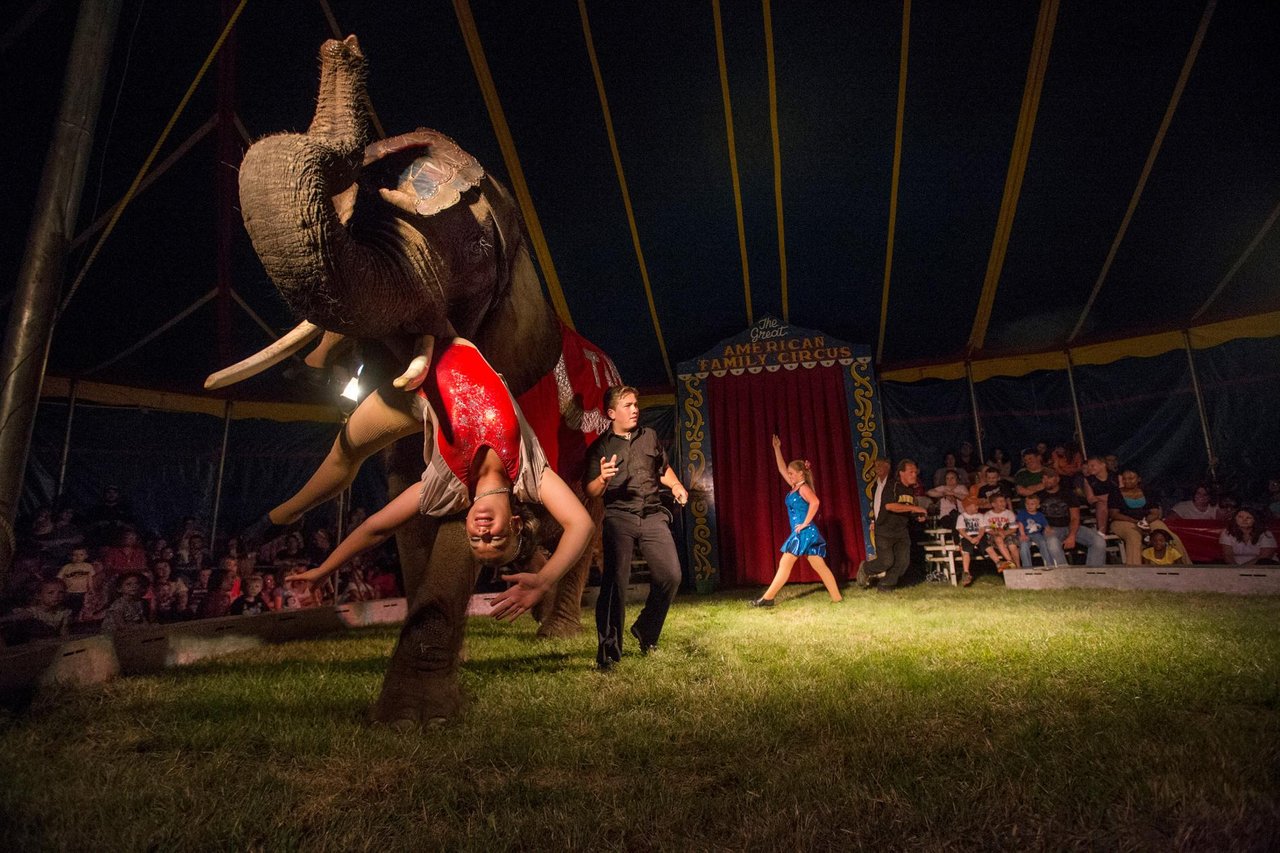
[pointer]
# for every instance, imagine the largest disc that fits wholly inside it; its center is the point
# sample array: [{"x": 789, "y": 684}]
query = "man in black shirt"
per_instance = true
[
  {"x": 626, "y": 465},
  {"x": 1061, "y": 510},
  {"x": 893, "y": 540}
]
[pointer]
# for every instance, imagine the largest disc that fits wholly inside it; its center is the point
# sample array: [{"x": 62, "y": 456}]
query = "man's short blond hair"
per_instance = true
[{"x": 615, "y": 395}]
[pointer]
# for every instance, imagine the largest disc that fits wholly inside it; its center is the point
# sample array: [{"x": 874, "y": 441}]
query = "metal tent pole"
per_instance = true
[
  {"x": 40, "y": 280},
  {"x": 973, "y": 401},
  {"x": 1075, "y": 404},
  {"x": 1204, "y": 416},
  {"x": 222, "y": 464},
  {"x": 66, "y": 438}
]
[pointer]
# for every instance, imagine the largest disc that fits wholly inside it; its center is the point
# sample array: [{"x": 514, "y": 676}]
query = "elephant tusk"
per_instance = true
[{"x": 263, "y": 359}]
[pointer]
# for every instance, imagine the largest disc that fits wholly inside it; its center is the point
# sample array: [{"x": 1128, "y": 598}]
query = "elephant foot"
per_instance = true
[
  {"x": 414, "y": 700},
  {"x": 557, "y": 628}
]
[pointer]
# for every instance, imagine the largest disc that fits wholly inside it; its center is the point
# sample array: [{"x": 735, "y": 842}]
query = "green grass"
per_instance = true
[{"x": 934, "y": 718}]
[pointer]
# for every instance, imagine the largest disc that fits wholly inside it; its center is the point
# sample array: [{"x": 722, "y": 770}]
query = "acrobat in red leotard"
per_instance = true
[{"x": 467, "y": 408}]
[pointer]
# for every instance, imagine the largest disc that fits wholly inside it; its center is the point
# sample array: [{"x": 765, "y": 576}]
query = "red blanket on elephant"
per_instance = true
[{"x": 565, "y": 408}]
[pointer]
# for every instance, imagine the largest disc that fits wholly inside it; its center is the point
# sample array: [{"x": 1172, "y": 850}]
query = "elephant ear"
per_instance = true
[{"x": 425, "y": 171}]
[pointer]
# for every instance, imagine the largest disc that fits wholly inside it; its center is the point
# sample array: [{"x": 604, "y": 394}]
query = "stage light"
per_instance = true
[{"x": 352, "y": 390}]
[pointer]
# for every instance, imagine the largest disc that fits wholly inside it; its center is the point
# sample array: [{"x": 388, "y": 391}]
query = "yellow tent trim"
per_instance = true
[
  {"x": 1017, "y": 169},
  {"x": 57, "y": 387},
  {"x": 622, "y": 184},
  {"x": 733, "y": 159},
  {"x": 897, "y": 170},
  {"x": 471, "y": 36},
  {"x": 777, "y": 158},
  {"x": 1178, "y": 87},
  {"x": 1145, "y": 346}
]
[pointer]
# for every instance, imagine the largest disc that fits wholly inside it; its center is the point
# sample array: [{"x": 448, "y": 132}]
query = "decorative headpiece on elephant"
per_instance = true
[{"x": 404, "y": 238}]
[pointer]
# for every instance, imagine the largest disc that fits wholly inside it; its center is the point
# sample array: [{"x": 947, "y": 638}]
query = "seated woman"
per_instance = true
[
  {"x": 1245, "y": 542},
  {"x": 1001, "y": 462},
  {"x": 950, "y": 465},
  {"x": 1200, "y": 508},
  {"x": 1136, "y": 516},
  {"x": 481, "y": 457},
  {"x": 949, "y": 496}
]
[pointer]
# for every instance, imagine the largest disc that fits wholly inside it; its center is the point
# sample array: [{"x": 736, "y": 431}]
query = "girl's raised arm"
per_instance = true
[{"x": 777, "y": 457}]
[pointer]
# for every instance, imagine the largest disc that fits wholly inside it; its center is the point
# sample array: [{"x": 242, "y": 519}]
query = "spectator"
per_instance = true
[
  {"x": 96, "y": 598},
  {"x": 989, "y": 486},
  {"x": 198, "y": 592},
  {"x": 128, "y": 609},
  {"x": 1101, "y": 491},
  {"x": 269, "y": 585},
  {"x": 1161, "y": 552},
  {"x": 358, "y": 589},
  {"x": 253, "y": 601},
  {"x": 1137, "y": 514},
  {"x": 1033, "y": 524},
  {"x": 76, "y": 575},
  {"x": 1067, "y": 460},
  {"x": 46, "y": 619},
  {"x": 1061, "y": 509},
  {"x": 968, "y": 459},
  {"x": 970, "y": 530},
  {"x": 949, "y": 495},
  {"x": 1199, "y": 508},
  {"x": 194, "y": 556},
  {"x": 1245, "y": 542},
  {"x": 291, "y": 555},
  {"x": 1027, "y": 480},
  {"x": 949, "y": 464},
  {"x": 1000, "y": 461},
  {"x": 1273, "y": 496},
  {"x": 126, "y": 555},
  {"x": 1113, "y": 464},
  {"x": 384, "y": 582},
  {"x": 1042, "y": 450},
  {"x": 110, "y": 514},
  {"x": 42, "y": 524},
  {"x": 168, "y": 594},
  {"x": 320, "y": 548},
  {"x": 217, "y": 602},
  {"x": 1002, "y": 534}
]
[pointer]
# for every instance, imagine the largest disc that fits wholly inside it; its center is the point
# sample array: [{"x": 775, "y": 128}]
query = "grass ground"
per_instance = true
[{"x": 934, "y": 718}]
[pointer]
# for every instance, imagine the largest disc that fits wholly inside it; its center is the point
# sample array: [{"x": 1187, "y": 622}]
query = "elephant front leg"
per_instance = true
[
  {"x": 560, "y": 613},
  {"x": 421, "y": 685}
]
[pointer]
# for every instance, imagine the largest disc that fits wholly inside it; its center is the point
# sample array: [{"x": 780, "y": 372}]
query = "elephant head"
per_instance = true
[{"x": 405, "y": 237}]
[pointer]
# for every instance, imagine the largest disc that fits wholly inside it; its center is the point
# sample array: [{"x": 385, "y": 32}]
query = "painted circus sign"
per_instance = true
[{"x": 768, "y": 346}]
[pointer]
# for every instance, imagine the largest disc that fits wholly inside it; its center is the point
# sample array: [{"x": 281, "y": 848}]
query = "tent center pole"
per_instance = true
[
  {"x": 222, "y": 465},
  {"x": 973, "y": 401},
  {"x": 66, "y": 438},
  {"x": 1075, "y": 405},
  {"x": 40, "y": 278},
  {"x": 1204, "y": 417}
]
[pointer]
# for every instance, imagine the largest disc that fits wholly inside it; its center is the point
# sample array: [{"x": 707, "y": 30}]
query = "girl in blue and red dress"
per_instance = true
[{"x": 805, "y": 540}]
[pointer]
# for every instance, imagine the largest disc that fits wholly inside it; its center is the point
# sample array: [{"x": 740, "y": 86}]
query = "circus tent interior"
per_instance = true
[{"x": 1040, "y": 220}]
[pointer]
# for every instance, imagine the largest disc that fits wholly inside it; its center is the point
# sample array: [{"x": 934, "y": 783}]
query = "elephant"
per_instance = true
[{"x": 388, "y": 243}]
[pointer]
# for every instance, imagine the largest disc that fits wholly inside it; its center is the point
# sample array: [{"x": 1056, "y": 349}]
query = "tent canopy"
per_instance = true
[{"x": 999, "y": 178}]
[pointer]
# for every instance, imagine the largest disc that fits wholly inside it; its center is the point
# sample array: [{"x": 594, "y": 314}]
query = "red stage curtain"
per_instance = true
[{"x": 806, "y": 408}]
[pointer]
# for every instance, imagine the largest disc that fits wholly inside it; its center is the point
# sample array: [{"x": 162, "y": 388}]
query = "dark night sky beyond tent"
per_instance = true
[{"x": 1111, "y": 72}]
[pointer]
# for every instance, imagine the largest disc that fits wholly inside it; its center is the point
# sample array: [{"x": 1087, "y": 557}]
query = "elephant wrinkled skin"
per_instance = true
[{"x": 404, "y": 238}]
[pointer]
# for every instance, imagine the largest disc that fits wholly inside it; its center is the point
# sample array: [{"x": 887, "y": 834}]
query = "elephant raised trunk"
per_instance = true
[{"x": 366, "y": 275}]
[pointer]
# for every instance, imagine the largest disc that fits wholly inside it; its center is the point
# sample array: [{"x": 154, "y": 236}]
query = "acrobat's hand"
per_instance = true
[
  {"x": 777, "y": 443},
  {"x": 801, "y": 526},
  {"x": 416, "y": 373},
  {"x": 525, "y": 591}
]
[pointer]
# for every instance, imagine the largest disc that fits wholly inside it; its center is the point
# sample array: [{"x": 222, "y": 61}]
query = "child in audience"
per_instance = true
[
  {"x": 199, "y": 591},
  {"x": 1002, "y": 533},
  {"x": 1033, "y": 524},
  {"x": 168, "y": 594},
  {"x": 253, "y": 601},
  {"x": 76, "y": 575},
  {"x": 47, "y": 618},
  {"x": 970, "y": 528},
  {"x": 218, "y": 601},
  {"x": 1161, "y": 552},
  {"x": 128, "y": 610}
]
